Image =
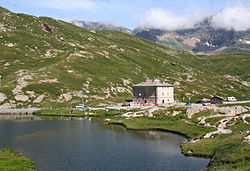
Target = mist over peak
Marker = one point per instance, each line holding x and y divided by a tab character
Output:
233	17
160	19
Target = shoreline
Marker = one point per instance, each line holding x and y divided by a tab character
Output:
150	129
167	131
195	149
12	160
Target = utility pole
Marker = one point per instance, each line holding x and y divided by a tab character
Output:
0	81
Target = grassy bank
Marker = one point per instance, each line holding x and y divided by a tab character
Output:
12	161
172	125
227	151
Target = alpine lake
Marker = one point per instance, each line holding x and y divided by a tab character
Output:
61	144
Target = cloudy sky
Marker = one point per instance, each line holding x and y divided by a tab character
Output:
165	14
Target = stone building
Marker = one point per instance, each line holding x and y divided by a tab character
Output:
153	92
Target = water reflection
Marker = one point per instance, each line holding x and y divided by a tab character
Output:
19	117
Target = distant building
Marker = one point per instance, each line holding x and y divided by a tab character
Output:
153	92
231	99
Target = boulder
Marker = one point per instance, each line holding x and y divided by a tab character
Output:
22	98
229	111
3	97
176	113
193	110
247	139
232	111
39	99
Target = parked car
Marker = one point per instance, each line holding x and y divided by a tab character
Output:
188	103
206	104
87	107
231	99
200	102
110	107
147	104
82	106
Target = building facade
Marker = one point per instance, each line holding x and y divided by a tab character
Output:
153	92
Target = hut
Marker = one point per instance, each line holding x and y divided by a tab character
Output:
153	92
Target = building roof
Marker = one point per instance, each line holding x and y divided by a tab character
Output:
153	83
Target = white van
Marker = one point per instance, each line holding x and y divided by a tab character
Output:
231	99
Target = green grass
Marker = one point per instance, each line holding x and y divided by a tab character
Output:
170	124
215	120
227	152
12	161
202	114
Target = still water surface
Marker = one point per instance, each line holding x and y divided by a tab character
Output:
79	145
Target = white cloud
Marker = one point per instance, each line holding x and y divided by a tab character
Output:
65	4
235	17
160	19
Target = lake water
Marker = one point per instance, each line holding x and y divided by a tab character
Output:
79	145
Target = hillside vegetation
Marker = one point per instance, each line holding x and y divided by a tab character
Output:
46	62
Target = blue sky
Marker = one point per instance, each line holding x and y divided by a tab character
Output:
128	13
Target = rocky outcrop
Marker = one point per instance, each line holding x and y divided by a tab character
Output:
193	110
176	113
133	114
39	99
244	118
2	97
247	139
219	131
22	98
223	124
9	105
221	128
234	110
55	80
228	111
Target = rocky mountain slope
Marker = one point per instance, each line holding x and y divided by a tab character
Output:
202	39
100	26
47	62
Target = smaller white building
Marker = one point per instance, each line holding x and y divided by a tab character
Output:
231	99
153	92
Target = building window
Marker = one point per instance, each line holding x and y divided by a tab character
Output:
163	101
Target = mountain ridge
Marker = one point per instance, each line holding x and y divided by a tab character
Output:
100	26
46	62
203	38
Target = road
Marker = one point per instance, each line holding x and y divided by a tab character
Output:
237	102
